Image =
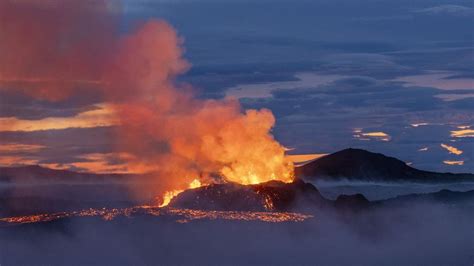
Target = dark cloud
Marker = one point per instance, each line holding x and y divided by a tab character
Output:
323	118
15	104
64	146
459	59
467	103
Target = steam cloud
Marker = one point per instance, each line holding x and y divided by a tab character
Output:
52	50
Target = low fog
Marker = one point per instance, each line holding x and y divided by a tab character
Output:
419	234
385	190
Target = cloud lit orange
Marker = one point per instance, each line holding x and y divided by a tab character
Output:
103	116
463	133
452	149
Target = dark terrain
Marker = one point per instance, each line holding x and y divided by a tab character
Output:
362	165
34	189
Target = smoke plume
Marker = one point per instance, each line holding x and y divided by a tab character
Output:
54	49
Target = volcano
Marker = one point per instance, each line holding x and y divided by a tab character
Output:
63	190
269	196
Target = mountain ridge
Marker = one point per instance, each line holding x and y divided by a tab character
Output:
363	165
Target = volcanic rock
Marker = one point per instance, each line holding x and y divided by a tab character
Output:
269	196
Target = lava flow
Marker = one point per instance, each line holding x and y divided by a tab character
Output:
181	215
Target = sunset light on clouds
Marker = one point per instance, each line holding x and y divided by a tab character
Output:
102	116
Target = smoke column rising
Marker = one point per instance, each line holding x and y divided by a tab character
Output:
54	49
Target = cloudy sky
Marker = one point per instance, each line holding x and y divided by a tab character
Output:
395	77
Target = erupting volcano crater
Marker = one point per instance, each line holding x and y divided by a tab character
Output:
268	196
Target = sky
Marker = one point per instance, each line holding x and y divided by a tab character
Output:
395	77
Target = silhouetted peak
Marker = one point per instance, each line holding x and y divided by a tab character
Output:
358	164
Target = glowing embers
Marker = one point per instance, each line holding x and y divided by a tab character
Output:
272	217
181	215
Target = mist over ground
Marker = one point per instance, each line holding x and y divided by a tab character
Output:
417	233
385	190
420	234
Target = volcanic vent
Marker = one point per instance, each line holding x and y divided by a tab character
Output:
268	196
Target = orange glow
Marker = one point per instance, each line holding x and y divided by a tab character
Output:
453	162
195	184
180	215
18	147
302	158
16	160
103	116
160	124
452	149
203	137
463	133
377	135
169	195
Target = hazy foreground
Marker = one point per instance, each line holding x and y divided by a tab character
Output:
425	233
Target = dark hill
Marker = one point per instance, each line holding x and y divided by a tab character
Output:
362	165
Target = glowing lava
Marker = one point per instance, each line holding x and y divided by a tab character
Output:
169	195
181	215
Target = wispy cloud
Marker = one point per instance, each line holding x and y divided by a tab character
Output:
419	124
103	116
17	160
463	133
102	163
376	135
19	147
455	10
451	149
448	162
